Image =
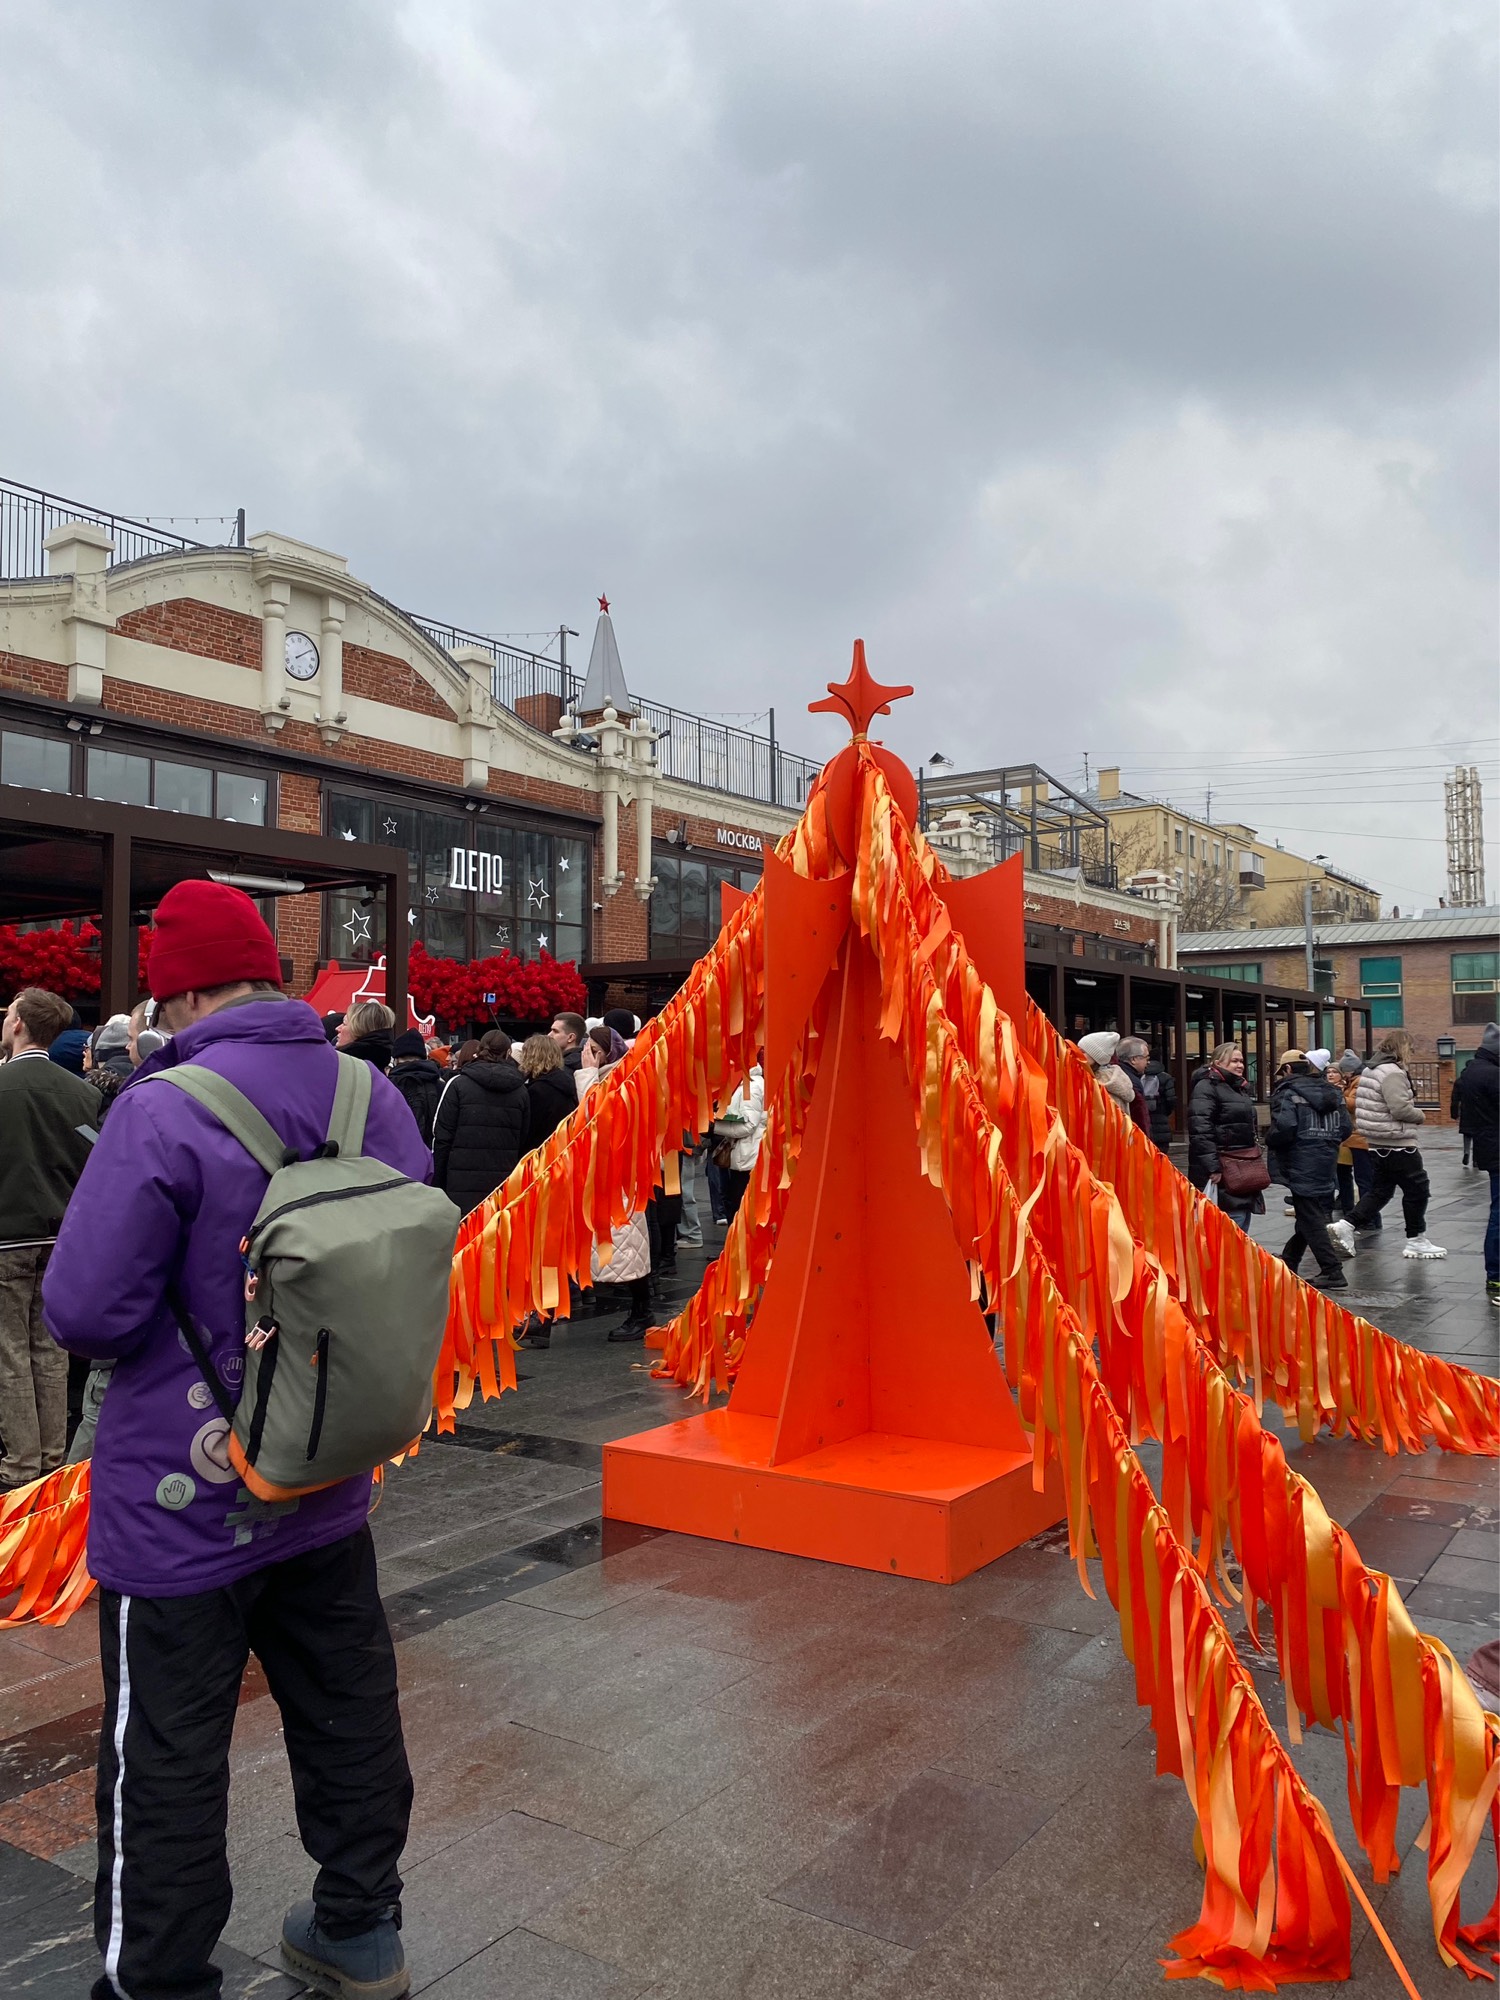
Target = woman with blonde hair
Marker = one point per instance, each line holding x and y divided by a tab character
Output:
368	1031
550	1091
1222	1118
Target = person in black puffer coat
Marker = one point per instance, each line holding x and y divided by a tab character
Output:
1221	1112
1309	1122
480	1128
1478	1092
418	1079
551	1090
366	1032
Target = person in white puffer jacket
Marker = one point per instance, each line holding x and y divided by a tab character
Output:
1387	1117
748	1105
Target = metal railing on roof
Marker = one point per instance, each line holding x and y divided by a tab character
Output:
28	515
691	748
1022	809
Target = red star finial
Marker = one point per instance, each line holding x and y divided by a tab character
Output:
604	605
859	698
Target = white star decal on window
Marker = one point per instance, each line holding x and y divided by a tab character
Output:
541	940
347	834
564	863
502	936
411	916
388	826
432	895
358	928
537	893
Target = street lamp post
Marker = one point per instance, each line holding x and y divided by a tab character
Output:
1307	925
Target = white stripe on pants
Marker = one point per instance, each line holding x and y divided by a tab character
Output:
117	1866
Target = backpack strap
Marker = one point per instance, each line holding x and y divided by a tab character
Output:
351	1104
233	1110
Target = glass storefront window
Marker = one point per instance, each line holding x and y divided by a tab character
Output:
119	776
242	799
349	819
133	778
666	906
686	904
535	897
570	936
184	788
41	763
495	906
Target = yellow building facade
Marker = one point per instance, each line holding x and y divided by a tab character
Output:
1227	877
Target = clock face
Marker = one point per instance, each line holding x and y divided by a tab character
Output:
301	656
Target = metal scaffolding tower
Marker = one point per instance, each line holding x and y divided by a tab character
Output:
1465	805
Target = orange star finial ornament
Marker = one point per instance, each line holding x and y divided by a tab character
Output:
604	605
859	698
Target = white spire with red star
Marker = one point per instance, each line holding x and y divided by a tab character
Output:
604	686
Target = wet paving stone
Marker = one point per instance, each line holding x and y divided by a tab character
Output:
648	1764
909	1865
518	1444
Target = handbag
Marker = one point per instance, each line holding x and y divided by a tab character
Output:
1242	1171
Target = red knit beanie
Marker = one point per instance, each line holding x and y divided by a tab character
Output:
208	934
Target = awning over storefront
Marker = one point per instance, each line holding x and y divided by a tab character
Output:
62	856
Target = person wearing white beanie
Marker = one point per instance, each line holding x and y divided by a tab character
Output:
1100	1048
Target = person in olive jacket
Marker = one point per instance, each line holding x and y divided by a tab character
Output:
480	1128
1309	1123
1221	1113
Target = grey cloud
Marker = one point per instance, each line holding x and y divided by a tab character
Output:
1055	350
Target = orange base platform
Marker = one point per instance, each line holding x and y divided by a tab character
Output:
906	1506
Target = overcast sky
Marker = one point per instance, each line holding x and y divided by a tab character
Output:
1122	372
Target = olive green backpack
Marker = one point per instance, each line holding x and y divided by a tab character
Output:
346	1297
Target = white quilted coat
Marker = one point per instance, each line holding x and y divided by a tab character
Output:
630	1252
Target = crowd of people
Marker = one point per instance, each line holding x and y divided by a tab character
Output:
1343	1140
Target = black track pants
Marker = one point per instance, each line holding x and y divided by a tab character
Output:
172	1668
1311	1233
1398	1168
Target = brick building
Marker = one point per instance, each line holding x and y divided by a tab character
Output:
1434	975
266	686
266	691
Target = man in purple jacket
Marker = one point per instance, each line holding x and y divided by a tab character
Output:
195	1573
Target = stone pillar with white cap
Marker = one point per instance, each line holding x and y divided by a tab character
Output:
81	550
625	745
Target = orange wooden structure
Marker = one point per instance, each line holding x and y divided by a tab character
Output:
870	1423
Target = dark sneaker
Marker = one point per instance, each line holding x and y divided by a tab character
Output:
371	1966
1330	1281
635	1328
1492	1291
538	1337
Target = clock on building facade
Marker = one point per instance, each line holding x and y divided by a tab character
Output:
301	656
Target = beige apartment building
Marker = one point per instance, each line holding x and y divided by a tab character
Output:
1227	877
